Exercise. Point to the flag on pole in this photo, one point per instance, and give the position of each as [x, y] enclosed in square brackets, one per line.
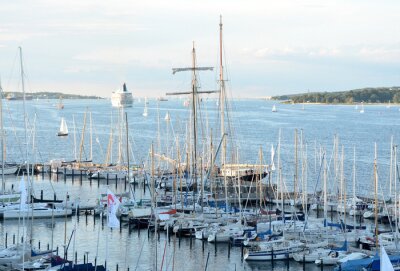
[112, 207]
[272, 157]
[22, 189]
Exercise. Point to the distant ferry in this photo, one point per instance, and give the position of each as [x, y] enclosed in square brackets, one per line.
[122, 98]
[13, 97]
[162, 99]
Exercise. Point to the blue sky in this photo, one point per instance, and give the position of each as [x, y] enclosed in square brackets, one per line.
[271, 47]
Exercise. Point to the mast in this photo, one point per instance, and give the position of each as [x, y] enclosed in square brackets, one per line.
[344, 188]
[127, 143]
[295, 167]
[354, 186]
[325, 188]
[82, 139]
[73, 121]
[376, 197]
[395, 194]
[26, 154]
[194, 94]
[260, 177]
[3, 184]
[194, 110]
[153, 203]
[222, 95]
[91, 136]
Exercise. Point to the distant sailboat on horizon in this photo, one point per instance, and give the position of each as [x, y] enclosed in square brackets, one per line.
[362, 108]
[63, 128]
[145, 113]
[274, 109]
[167, 116]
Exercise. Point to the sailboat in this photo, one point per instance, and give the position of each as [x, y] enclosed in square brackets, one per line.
[362, 108]
[63, 128]
[274, 109]
[145, 113]
[167, 117]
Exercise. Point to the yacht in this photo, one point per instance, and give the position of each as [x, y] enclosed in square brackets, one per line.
[122, 98]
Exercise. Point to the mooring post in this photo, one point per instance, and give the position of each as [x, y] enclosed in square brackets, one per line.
[202, 240]
[215, 244]
[272, 257]
[180, 235]
[190, 238]
[242, 250]
[287, 261]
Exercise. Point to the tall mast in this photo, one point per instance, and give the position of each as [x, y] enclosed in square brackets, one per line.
[194, 93]
[75, 155]
[222, 95]
[325, 187]
[376, 197]
[3, 184]
[23, 100]
[91, 137]
[127, 143]
[295, 167]
[354, 186]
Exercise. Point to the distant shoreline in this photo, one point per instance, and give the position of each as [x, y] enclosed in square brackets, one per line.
[350, 104]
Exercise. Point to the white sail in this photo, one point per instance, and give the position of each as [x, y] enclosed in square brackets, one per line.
[63, 128]
[145, 113]
[167, 117]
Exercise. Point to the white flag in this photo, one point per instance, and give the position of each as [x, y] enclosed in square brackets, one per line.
[272, 157]
[112, 207]
[22, 189]
[386, 264]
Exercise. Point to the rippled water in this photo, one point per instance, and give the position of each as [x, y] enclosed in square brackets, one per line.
[255, 126]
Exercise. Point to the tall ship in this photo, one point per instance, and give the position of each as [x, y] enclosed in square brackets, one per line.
[122, 98]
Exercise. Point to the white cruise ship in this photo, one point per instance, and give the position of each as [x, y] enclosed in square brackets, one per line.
[122, 98]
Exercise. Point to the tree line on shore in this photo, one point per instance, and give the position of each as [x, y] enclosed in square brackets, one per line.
[367, 95]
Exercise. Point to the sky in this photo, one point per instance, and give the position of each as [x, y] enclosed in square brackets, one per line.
[92, 47]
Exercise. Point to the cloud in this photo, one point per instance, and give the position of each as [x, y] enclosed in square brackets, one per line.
[381, 54]
[389, 53]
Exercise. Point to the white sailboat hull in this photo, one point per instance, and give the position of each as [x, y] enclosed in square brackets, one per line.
[36, 212]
